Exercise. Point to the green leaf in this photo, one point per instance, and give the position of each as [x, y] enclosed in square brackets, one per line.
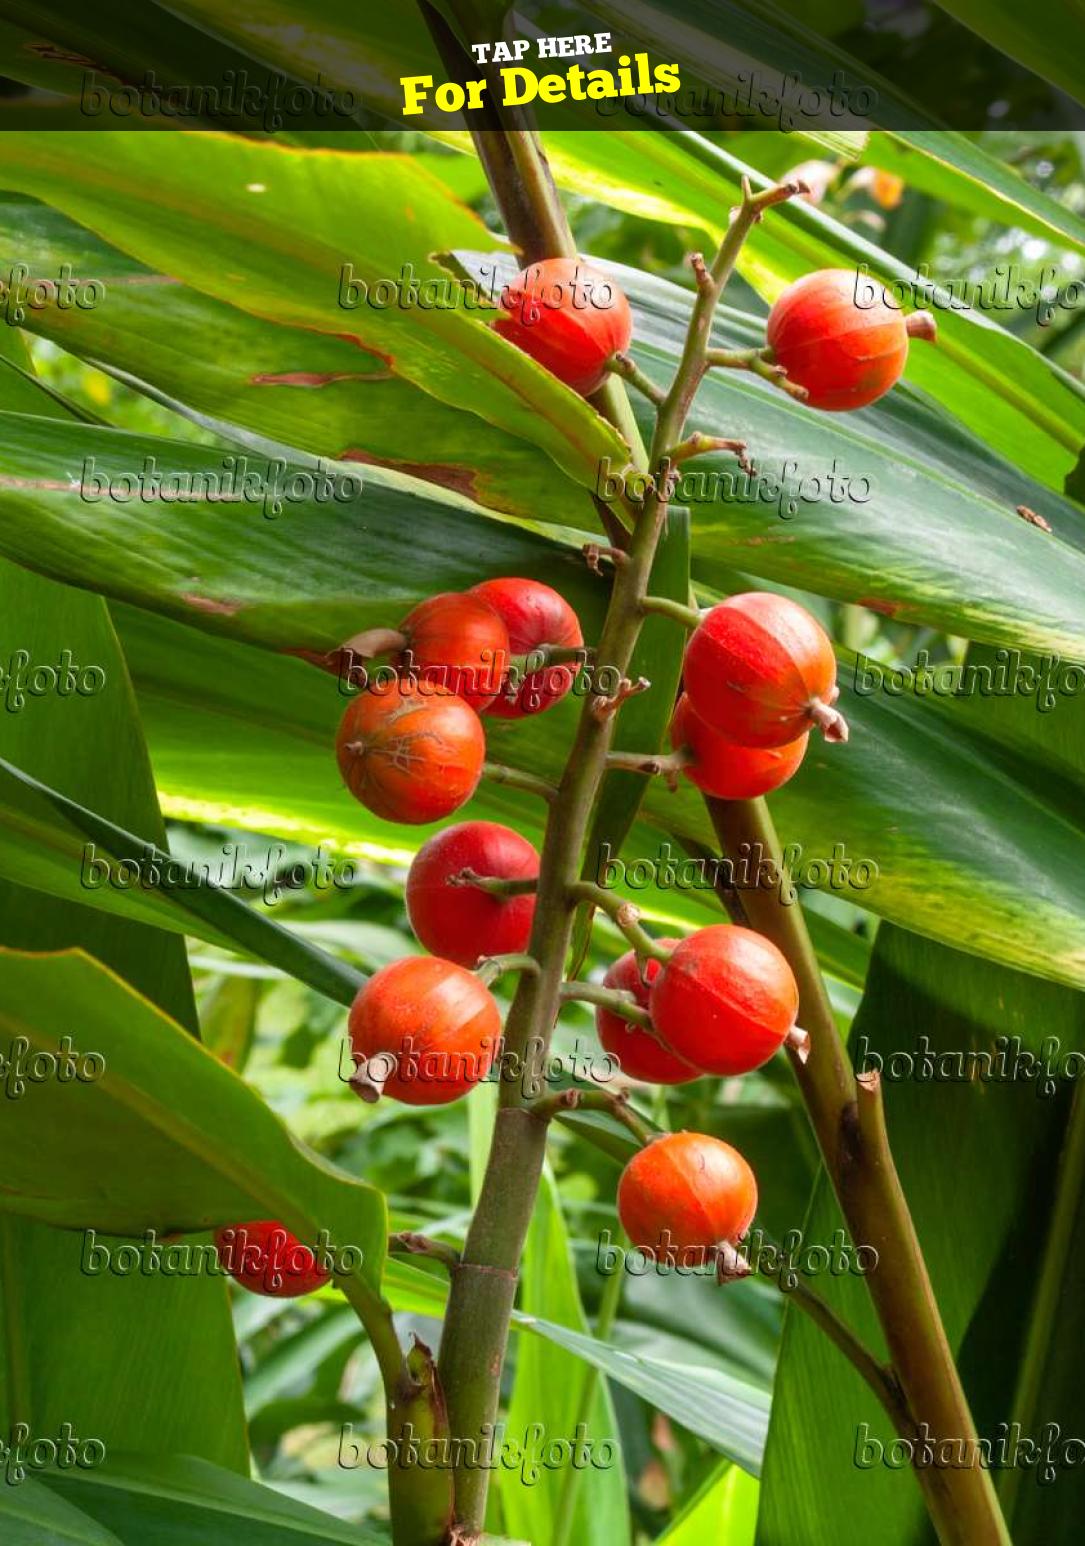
[957, 169]
[1049, 49]
[723, 41]
[549, 1389]
[40, 832]
[317, 574]
[729, 1413]
[268, 229]
[174, 1500]
[167, 1138]
[724, 1508]
[317, 391]
[35, 1516]
[109, 1356]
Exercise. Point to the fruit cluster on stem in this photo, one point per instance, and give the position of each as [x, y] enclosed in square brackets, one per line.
[759, 675]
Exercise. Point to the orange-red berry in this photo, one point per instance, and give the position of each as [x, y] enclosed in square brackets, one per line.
[410, 752]
[640, 1055]
[458, 640]
[462, 922]
[845, 351]
[725, 769]
[423, 1031]
[760, 670]
[686, 1192]
[570, 317]
[534, 615]
[725, 1000]
[264, 1257]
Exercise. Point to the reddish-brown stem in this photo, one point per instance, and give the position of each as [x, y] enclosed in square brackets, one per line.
[849, 1123]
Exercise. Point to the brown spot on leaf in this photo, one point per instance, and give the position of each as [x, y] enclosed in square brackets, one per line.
[312, 378]
[360, 343]
[461, 480]
[877, 604]
[1032, 518]
[62, 485]
[209, 604]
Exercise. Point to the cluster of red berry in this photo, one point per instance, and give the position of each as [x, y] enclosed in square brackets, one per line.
[759, 673]
[415, 753]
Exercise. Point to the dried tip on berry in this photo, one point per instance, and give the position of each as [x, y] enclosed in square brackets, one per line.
[731, 1265]
[830, 721]
[921, 325]
[376, 641]
[371, 1076]
[799, 1042]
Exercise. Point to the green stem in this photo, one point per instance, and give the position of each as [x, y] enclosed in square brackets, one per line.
[516, 778]
[624, 914]
[493, 885]
[562, 1102]
[490, 968]
[689, 617]
[615, 999]
[477, 1319]
[625, 366]
[878, 1376]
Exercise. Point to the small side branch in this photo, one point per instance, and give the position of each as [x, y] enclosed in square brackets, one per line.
[493, 885]
[616, 1000]
[516, 778]
[689, 617]
[878, 1376]
[490, 968]
[407, 1243]
[760, 363]
[625, 366]
[562, 1102]
[624, 914]
[654, 765]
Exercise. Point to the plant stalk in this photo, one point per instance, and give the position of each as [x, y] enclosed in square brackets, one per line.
[483, 1289]
[849, 1122]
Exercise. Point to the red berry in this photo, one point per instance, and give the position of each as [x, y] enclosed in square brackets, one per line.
[641, 1056]
[688, 1192]
[725, 769]
[570, 317]
[760, 670]
[410, 752]
[459, 641]
[427, 1029]
[264, 1257]
[461, 922]
[534, 615]
[725, 1000]
[844, 354]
